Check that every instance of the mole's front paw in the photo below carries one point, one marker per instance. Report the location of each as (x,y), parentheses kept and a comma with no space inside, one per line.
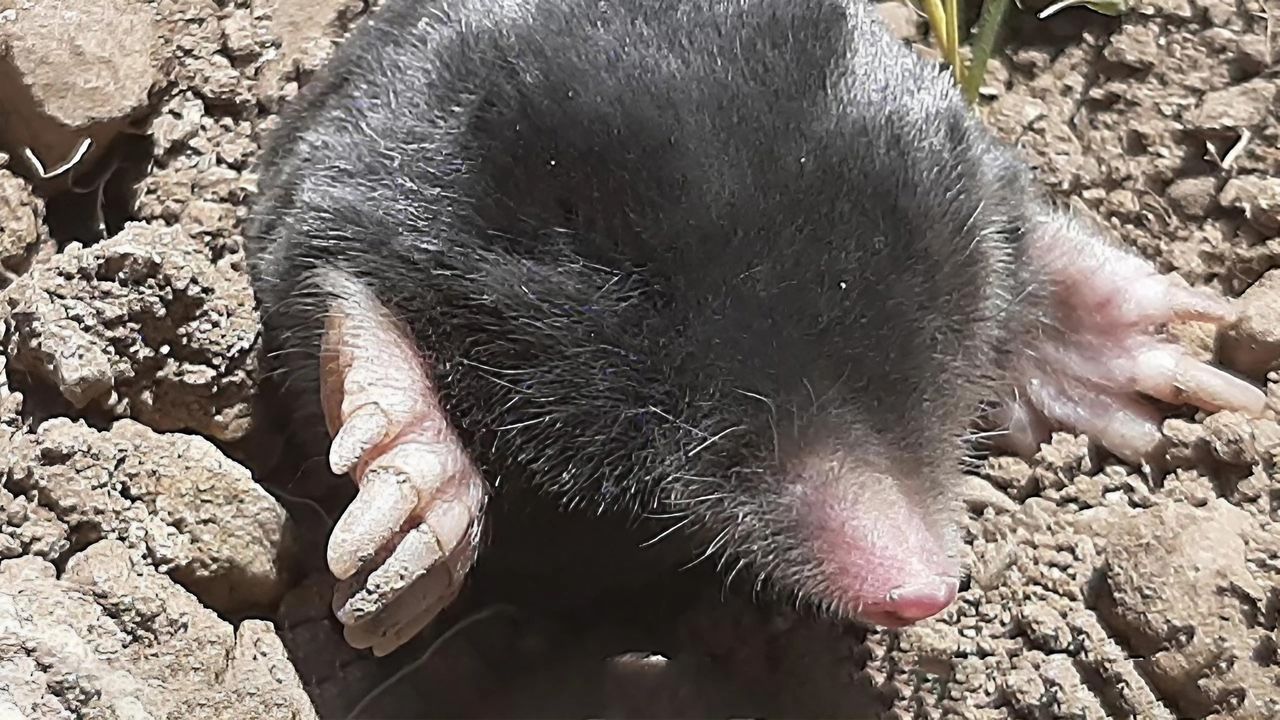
(1100,349)
(404,546)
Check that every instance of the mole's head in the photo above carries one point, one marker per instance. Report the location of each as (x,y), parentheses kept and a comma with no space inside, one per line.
(777,308)
(827,361)
(786,356)
(830,321)
(823,375)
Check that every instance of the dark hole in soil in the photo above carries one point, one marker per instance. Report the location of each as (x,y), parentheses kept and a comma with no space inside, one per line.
(101,198)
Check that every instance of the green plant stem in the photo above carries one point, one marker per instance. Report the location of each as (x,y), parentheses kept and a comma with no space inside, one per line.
(952,11)
(983,45)
(938,25)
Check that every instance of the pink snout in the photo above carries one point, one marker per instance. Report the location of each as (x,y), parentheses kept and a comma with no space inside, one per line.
(906,605)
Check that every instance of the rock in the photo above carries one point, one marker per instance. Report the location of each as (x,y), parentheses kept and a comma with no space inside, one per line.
(901,18)
(260,669)
(1012,475)
(1179,594)
(114,639)
(1051,686)
(191,511)
(1258,197)
(29,529)
(1240,440)
(1251,344)
(72,70)
(1137,46)
(1234,108)
(144,325)
(21,224)
(1194,196)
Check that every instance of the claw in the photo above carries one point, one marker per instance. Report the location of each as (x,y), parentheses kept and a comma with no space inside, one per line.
(412,614)
(424,599)
(1166,373)
(407,630)
(405,609)
(385,501)
(1123,425)
(1192,304)
(1131,432)
(360,433)
(403,547)
(417,555)
(1101,352)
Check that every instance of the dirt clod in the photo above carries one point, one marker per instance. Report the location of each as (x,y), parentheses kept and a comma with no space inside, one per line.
(1181,597)
(196,514)
(143,325)
(1258,197)
(112,638)
(1252,344)
(21,225)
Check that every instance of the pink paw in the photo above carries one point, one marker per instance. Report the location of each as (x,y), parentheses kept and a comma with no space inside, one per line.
(404,545)
(1100,357)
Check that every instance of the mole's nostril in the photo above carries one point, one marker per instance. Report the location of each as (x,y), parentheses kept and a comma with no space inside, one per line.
(917,602)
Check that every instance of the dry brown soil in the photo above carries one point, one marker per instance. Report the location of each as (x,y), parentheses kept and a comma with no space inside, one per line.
(161,545)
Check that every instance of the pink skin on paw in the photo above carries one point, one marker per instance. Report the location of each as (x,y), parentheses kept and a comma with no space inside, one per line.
(1098,358)
(883,558)
(404,545)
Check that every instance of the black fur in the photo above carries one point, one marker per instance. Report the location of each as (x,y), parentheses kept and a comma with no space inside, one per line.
(656,248)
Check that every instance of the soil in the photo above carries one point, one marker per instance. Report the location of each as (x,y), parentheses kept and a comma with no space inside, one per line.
(161,544)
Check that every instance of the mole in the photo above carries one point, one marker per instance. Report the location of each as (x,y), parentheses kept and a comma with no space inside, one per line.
(751,269)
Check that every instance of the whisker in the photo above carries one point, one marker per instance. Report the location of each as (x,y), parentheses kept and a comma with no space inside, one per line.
(667,532)
(715,545)
(700,499)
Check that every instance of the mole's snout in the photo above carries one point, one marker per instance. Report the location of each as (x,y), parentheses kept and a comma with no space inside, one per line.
(885,549)
(909,604)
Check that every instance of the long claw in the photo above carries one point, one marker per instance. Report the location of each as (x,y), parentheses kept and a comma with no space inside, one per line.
(386,499)
(1130,433)
(1123,425)
(402,615)
(1166,373)
(412,613)
(406,631)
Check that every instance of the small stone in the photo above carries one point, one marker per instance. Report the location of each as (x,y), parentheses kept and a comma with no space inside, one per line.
(1251,345)
(1258,197)
(1194,196)
(1230,438)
